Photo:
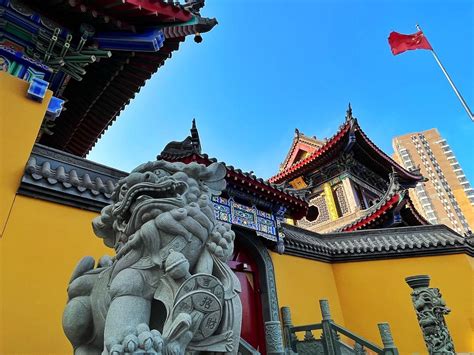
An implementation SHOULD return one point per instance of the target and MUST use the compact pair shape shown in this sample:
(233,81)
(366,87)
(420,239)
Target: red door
(246,270)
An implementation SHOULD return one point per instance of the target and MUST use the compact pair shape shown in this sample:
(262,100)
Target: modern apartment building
(447,197)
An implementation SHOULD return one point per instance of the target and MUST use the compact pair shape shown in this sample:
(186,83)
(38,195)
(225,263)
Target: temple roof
(95,102)
(394,208)
(58,176)
(189,150)
(135,38)
(301,142)
(349,137)
(114,15)
(376,243)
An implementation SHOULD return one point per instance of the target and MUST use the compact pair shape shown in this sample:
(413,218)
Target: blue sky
(271,66)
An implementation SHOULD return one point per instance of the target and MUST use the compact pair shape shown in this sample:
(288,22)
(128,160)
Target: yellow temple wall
(20,121)
(364,293)
(40,247)
(43,241)
(301,283)
(371,292)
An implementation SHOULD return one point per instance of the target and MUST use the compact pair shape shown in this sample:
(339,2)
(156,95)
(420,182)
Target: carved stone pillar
(430,310)
(329,337)
(289,337)
(389,347)
(273,337)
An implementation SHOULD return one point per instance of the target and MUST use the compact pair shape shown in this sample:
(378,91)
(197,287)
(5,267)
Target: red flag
(400,43)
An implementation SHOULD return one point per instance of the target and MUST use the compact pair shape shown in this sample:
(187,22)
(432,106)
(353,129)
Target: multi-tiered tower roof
(350,182)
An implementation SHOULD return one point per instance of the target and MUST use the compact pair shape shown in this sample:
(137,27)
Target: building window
(341,200)
(320,203)
(312,214)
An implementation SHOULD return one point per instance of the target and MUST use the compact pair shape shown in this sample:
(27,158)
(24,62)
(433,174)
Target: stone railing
(330,343)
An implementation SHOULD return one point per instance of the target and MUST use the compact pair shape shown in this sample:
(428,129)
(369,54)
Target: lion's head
(155,188)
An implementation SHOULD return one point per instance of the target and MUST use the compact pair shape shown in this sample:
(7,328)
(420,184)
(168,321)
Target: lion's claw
(140,340)
(130,343)
(116,349)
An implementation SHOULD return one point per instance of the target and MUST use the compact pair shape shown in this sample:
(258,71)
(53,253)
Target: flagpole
(456,91)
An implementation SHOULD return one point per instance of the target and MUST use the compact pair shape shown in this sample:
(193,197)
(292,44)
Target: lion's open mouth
(145,193)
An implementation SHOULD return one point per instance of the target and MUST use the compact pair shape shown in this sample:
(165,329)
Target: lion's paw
(141,340)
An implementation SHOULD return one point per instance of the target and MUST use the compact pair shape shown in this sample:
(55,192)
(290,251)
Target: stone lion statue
(168,289)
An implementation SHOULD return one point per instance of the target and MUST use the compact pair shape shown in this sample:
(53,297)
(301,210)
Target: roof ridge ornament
(196,141)
(349,113)
(178,149)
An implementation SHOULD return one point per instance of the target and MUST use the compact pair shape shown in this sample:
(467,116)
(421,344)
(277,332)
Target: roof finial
(196,142)
(297,132)
(349,113)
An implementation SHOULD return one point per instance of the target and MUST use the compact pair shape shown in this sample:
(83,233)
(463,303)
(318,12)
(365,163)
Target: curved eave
(409,214)
(301,167)
(402,172)
(168,10)
(129,15)
(296,206)
(375,154)
(197,25)
(94,103)
(410,207)
(369,219)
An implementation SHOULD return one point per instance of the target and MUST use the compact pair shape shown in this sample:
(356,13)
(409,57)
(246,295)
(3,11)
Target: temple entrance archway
(254,267)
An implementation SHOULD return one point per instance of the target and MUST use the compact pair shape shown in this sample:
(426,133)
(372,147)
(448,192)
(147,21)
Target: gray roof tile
(376,243)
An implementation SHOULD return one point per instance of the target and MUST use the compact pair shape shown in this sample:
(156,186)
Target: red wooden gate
(246,269)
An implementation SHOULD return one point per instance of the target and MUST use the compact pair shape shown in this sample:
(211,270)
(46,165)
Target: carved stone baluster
(308,335)
(430,310)
(273,338)
(329,336)
(289,336)
(389,347)
(359,349)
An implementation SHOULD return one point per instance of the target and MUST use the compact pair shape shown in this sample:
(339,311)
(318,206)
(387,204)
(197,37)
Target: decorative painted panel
(229,211)
(20,65)
(243,215)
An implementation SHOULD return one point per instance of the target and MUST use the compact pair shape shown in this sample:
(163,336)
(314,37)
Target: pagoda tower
(350,183)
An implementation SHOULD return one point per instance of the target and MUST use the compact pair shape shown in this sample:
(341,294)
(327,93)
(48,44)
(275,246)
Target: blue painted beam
(149,41)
